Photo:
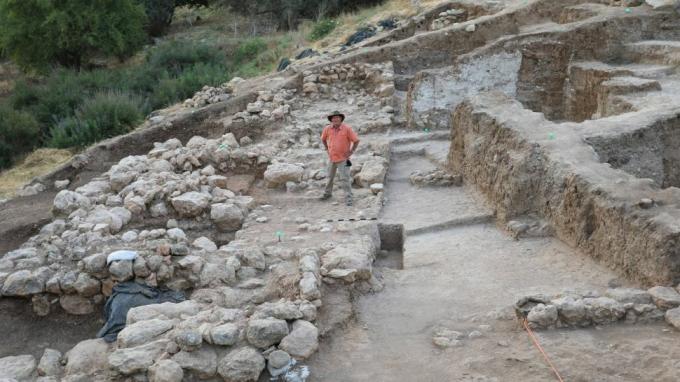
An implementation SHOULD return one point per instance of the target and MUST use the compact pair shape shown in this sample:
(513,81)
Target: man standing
(340,142)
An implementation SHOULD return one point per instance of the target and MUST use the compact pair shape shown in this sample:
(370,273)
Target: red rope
(540,348)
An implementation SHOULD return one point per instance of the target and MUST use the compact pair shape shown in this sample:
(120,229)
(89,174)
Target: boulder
(673,317)
(571,311)
(277,174)
(121,270)
(205,244)
(138,359)
(372,171)
(665,297)
(602,310)
(142,332)
(225,334)
(20,367)
(191,204)
(302,341)
(227,216)
(241,365)
(74,304)
(67,201)
(626,295)
(86,285)
(543,316)
(278,362)
(189,340)
(166,370)
(87,357)
(25,283)
(263,333)
(355,256)
(202,362)
(50,363)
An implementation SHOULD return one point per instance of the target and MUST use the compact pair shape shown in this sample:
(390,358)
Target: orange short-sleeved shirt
(339,141)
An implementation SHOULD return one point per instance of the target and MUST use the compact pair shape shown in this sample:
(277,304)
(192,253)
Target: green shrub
(322,28)
(104,116)
(249,50)
(175,56)
(19,133)
(171,90)
(37,34)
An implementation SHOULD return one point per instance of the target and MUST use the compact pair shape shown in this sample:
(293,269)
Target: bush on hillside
(19,133)
(103,116)
(176,57)
(322,28)
(249,50)
(37,34)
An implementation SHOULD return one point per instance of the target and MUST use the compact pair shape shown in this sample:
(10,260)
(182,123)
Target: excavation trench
(464,277)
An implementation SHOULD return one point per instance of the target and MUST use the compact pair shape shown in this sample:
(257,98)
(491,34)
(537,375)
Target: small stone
(121,270)
(474,334)
(61,184)
(471,28)
(646,203)
(77,305)
(41,305)
(262,219)
(376,188)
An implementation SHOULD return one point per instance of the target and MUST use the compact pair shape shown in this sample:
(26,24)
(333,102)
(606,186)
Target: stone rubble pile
(435,178)
(446,18)
(627,305)
(269,106)
(209,94)
(377,78)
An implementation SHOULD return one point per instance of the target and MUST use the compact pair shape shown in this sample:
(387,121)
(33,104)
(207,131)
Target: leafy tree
(39,33)
(160,12)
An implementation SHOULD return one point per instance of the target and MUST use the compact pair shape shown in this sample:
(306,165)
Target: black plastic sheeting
(126,296)
(360,35)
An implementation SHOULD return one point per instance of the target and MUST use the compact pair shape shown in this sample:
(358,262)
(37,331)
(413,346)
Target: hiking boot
(348,202)
(325,197)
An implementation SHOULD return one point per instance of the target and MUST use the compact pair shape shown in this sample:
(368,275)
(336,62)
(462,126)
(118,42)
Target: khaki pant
(345,181)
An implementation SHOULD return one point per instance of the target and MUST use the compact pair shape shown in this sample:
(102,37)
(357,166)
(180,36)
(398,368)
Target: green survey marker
(552,136)
(222,147)
(279,235)
(427,130)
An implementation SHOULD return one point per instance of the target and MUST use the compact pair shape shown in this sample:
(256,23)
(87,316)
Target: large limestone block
(67,201)
(142,332)
(263,333)
(87,357)
(278,174)
(241,365)
(137,359)
(19,367)
(373,171)
(303,341)
(191,204)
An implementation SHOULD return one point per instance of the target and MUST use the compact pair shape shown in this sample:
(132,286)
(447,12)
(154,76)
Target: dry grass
(348,23)
(39,162)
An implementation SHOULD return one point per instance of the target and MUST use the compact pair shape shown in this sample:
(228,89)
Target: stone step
(629,84)
(654,52)
(637,69)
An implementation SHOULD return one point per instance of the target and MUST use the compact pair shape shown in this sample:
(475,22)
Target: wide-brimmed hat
(333,114)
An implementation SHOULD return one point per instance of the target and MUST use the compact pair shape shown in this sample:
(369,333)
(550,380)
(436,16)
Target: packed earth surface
(516,215)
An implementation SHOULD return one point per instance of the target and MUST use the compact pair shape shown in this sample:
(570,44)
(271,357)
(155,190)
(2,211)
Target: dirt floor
(465,279)
(23,332)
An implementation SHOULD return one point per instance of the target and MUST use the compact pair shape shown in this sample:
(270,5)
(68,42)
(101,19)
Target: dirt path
(464,279)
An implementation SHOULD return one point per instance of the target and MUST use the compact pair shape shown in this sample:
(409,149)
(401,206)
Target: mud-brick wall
(517,177)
